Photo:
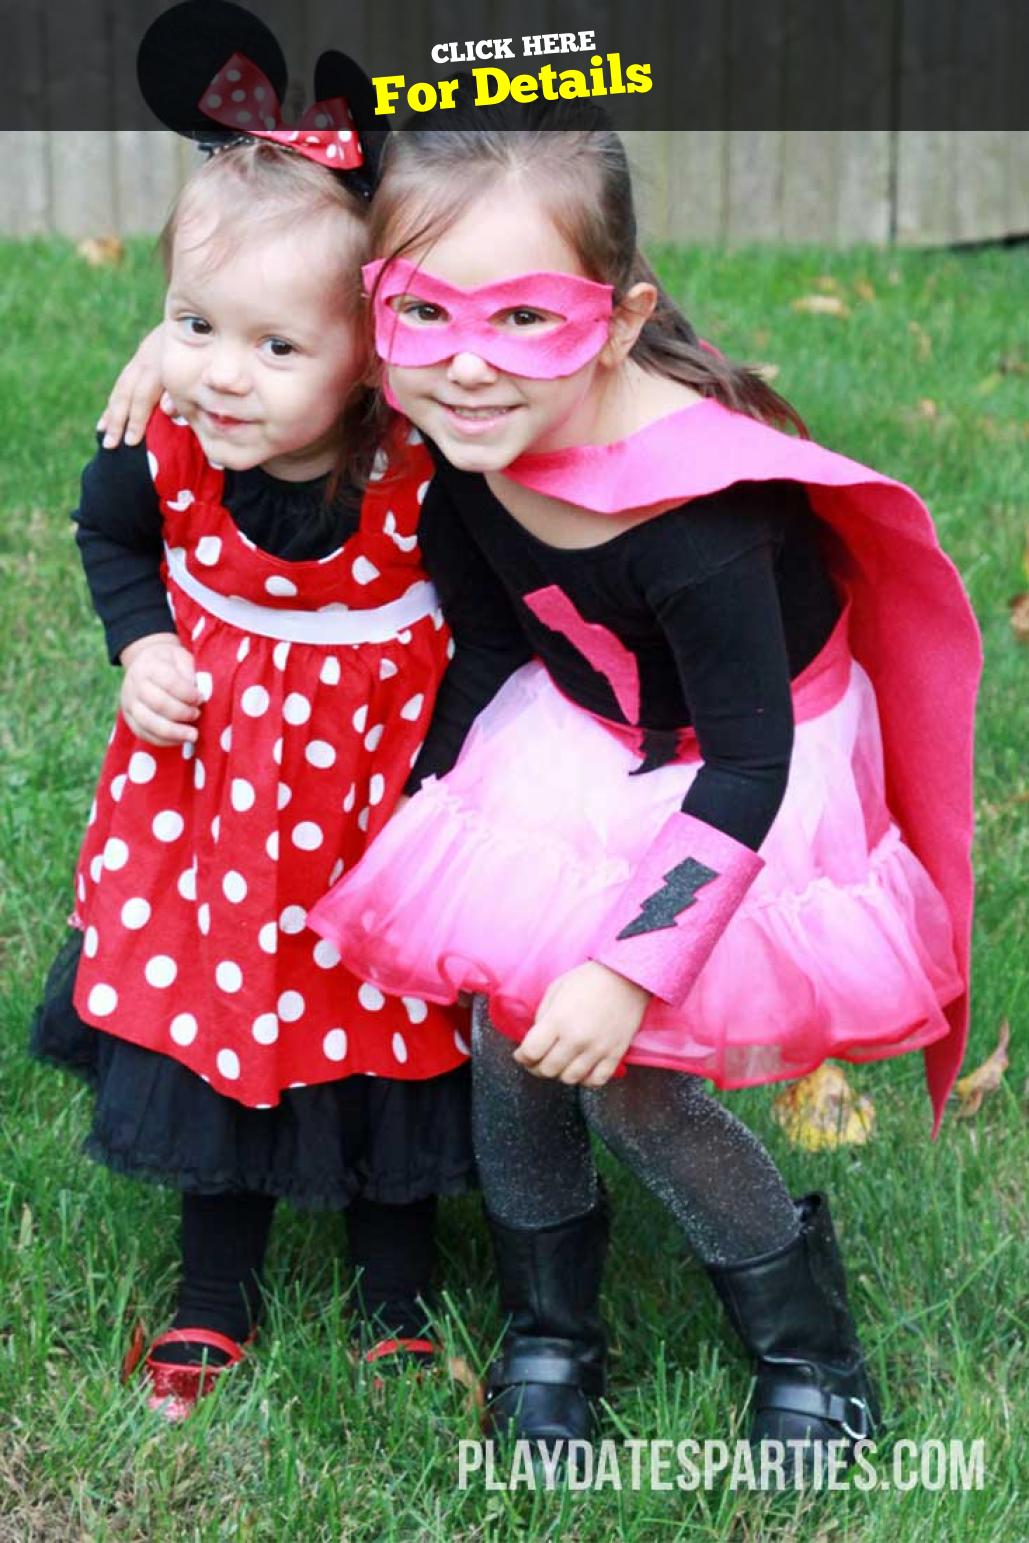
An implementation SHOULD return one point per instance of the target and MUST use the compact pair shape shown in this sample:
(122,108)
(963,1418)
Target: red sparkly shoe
(175,1390)
(397,1354)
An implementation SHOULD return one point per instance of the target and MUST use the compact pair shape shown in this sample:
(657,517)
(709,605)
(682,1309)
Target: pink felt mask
(478,321)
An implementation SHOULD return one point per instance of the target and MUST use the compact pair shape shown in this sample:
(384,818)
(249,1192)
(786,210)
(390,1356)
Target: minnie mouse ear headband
(214,73)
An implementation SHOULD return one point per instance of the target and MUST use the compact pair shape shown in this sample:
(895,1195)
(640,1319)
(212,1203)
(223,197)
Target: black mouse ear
(336,74)
(182,52)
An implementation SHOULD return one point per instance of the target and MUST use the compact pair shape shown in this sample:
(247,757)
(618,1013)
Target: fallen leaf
(821,1113)
(101,251)
(864,291)
(134,1354)
(986,1078)
(927,408)
(26,1228)
(827,284)
(923,342)
(1019,609)
(1012,364)
(767,372)
(459,1371)
(822,305)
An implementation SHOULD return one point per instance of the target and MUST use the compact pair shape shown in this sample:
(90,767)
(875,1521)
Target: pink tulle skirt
(501,876)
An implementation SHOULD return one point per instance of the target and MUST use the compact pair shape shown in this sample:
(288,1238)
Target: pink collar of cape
(912,627)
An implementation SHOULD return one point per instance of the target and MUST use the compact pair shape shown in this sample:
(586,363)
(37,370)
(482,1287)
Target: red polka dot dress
(200,862)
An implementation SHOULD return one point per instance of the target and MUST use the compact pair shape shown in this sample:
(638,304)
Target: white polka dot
(400,1048)
(284,795)
(205,685)
(363,818)
(308,836)
(116,854)
(242,795)
(118,786)
(296,709)
(405,636)
(337,870)
(168,825)
(374,736)
(80,886)
(293,919)
(330,672)
(198,629)
(135,913)
(370,997)
(376,788)
(271,846)
(290,1006)
(228,975)
(216,827)
(184,499)
(153,464)
(188,884)
(350,799)
(243,650)
(142,767)
(90,942)
(214,100)
(387,669)
(227,1062)
(96,867)
(199,774)
(412,709)
(268,938)
(280,653)
(278,585)
(161,970)
(225,738)
(254,701)
(239,96)
(319,753)
(335,1045)
(204,918)
(209,549)
(188,750)
(422,490)
(92,813)
(417,1010)
(102,1001)
(234,886)
(326,954)
(380,465)
(265,1029)
(451,648)
(243,116)
(461,1042)
(183,1029)
(360,719)
(277,752)
(364,572)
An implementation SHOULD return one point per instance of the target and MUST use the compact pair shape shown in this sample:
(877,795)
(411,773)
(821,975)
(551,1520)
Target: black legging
(532,1144)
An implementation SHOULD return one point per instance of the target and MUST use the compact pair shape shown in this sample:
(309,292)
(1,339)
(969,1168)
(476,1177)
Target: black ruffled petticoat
(321,1147)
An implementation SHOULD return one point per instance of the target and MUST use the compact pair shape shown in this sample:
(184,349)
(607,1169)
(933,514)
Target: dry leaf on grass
(459,1371)
(820,1112)
(986,1078)
(864,290)
(827,285)
(1019,609)
(927,408)
(101,251)
(134,1354)
(821,305)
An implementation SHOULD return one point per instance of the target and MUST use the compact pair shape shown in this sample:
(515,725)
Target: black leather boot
(790,1310)
(551,1369)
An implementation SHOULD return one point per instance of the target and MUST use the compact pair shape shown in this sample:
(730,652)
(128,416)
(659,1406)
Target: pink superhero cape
(912,627)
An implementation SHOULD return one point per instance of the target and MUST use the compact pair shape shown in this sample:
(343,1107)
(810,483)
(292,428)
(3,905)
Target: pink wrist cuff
(675,907)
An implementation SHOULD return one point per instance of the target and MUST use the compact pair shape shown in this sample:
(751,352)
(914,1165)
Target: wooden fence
(912,188)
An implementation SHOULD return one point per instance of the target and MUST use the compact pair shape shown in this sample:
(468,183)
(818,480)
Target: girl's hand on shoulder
(159,697)
(135,395)
(586,1022)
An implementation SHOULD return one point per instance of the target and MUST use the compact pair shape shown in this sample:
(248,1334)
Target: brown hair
(583,181)
(257,185)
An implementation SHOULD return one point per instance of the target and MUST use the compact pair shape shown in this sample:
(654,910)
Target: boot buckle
(863,1415)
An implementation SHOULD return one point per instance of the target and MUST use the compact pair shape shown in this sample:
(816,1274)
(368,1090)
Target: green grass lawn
(922,378)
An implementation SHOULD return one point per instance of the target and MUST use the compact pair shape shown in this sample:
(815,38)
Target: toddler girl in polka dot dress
(280,649)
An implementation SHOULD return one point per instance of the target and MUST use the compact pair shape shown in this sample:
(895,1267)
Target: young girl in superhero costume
(281,649)
(709,832)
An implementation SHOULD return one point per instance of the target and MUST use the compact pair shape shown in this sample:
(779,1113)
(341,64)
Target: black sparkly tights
(532,1144)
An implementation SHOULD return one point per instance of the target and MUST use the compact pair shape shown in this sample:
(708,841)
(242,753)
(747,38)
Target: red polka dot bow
(242,98)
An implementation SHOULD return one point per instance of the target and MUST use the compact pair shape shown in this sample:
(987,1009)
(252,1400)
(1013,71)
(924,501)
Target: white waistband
(376,625)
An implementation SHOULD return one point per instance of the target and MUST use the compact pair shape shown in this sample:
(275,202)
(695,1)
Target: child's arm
(135,395)
(119,538)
